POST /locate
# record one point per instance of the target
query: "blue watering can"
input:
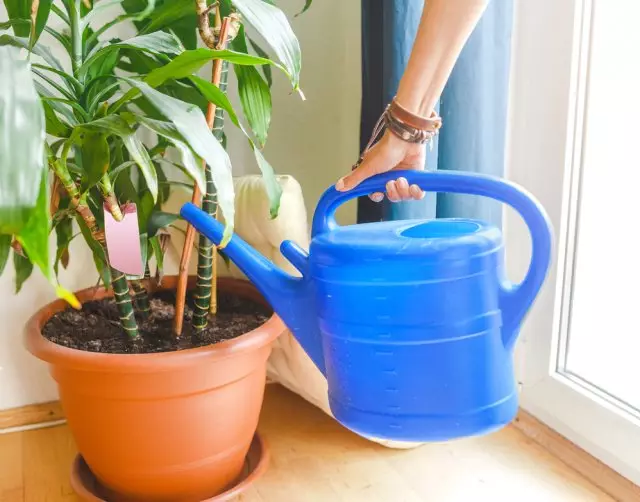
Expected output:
(413, 323)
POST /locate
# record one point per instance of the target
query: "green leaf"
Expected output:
(72, 83)
(67, 94)
(158, 220)
(23, 268)
(5, 247)
(168, 13)
(95, 11)
(95, 157)
(273, 26)
(101, 65)
(99, 256)
(22, 140)
(266, 69)
(40, 50)
(34, 238)
(73, 104)
(190, 162)
(62, 38)
(154, 43)
(274, 190)
(20, 11)
(47, 95)
(55, 126)
(64, 236)
(114, 124)
(189, 62)
(255, 98)
(255, 95)
(157, 252)
(139, 153)
(307, 4)
(60, 13)
(139, 14)
(192, 125)
(213, 94)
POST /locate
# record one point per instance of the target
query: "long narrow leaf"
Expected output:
(273, 26)
(191, 123)
(34, 238)
(72, 83)
(97, 8)
(189, 62)
(20, 11)
(189, 160)
(54, 125)
(307, 4)
(266, 69)
(22, 140)
(113, 124)
(39, 49)
(168, 13)
(46, 94)
(5, 248)
(274, 190)
(67, 94)
(255, 95)
(23, 270)
(213, 94)
(155, 43)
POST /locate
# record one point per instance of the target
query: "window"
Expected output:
(574, 143)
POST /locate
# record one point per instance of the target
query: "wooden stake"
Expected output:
(196, 198)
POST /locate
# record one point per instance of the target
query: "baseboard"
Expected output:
(32, 415)
(598, 473)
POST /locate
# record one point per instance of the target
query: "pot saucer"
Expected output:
(87, 487)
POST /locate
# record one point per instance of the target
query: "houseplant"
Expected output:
(155, 417)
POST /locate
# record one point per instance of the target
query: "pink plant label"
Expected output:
(123, 241)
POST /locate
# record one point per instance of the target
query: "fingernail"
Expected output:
(340, 184)
(377, 197)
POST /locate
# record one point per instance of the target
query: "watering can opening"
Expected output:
(439, 229)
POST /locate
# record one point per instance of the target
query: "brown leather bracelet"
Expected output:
(397, 111)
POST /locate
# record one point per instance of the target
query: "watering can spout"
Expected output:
(292, 298)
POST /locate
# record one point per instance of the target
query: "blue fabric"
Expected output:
(473, 104)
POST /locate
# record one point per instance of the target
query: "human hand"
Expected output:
(390, 153)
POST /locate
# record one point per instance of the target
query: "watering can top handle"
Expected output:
(516, 299)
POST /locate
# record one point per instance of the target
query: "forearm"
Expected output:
(444, 29)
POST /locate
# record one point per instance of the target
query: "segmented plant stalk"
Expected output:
(141, 299)
(118, 280)
(141, 295)
(121, 293)
(204, 292)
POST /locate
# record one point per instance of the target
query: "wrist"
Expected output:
(409, 126)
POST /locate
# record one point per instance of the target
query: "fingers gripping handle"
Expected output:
(515, 299)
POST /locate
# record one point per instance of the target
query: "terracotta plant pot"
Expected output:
(165, 426)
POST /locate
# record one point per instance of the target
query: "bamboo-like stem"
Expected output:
(125, 302)
(187, 248)
(75, 21)
(204, 293)
(118, 279)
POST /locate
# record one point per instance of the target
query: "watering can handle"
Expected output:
(515, 299)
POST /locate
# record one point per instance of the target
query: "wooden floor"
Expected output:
(315, 459)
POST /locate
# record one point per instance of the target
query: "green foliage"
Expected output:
(111, 107)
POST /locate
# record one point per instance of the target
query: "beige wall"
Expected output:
(315, 141)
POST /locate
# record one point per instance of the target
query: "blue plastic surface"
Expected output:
(412, 322)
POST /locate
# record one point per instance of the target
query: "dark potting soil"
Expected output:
(96, 328)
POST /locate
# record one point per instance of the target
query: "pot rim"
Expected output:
(53, 353)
